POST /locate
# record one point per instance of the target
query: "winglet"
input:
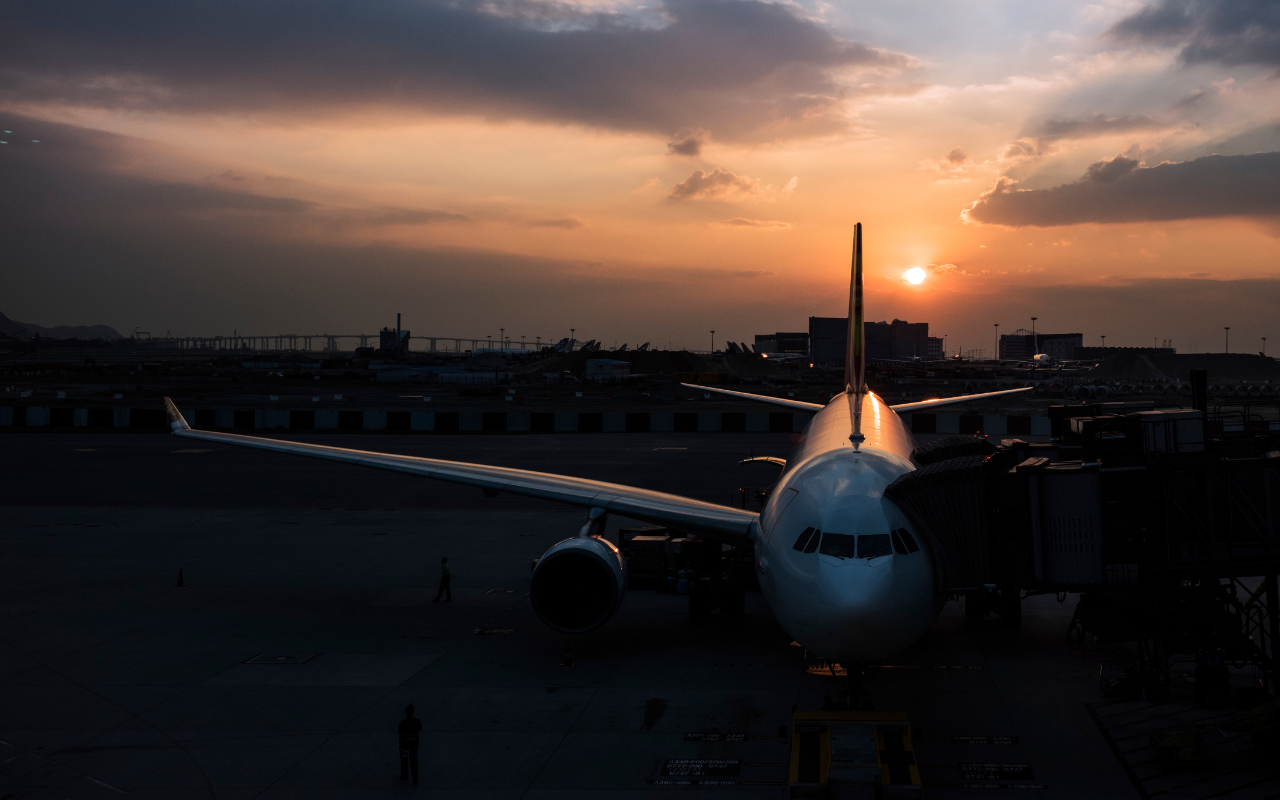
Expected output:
(176, 422)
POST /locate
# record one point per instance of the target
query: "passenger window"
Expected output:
(840, 545)
(813, 543)
(803, 540)
(873, 545)
(912, 547)
(898, 546)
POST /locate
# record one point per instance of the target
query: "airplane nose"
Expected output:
(866, 614)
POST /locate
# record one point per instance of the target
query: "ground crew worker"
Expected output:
(409, 729)
(444, 582)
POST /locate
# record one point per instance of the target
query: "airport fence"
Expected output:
(16, 418)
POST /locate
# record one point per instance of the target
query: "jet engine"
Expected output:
(578, 584)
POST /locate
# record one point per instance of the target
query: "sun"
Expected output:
(915, 276)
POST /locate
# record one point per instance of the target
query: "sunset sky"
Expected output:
(643, 171)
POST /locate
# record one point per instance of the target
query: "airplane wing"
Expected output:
(814, 407)
(732, 525)
(795, 405)
(946, 401)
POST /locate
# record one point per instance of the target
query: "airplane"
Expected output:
(842, 568)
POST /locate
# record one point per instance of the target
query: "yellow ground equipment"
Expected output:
(853, 754)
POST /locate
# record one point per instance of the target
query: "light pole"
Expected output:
(502, 338)
(996, 341)
(1104, 345)
(1264, 345)
(713, 343)
(1035, 346)
(1227, 334)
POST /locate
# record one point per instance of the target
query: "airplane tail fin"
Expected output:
(855, 352)
(176, 422)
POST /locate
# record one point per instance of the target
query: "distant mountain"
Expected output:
(26, 330)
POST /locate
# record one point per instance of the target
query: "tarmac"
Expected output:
(306, 624)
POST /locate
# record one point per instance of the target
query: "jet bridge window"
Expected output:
(909, 540)
(803, 540)
(874, 544)
(840, 545)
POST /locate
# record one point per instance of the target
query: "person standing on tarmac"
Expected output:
(445, 577)
(409, 730)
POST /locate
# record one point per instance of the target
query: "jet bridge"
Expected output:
(1164, 520)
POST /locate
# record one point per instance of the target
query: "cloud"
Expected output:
(764, 224)
(1091, 127)
(957, 157)
(717, 184)
(565, 223)
(85, 176)
(1229, 32)
(82, 242)
(741, 69)
(1120, 190)
(1039, 140)
(688, 146)
(754, 273)
(390, 215)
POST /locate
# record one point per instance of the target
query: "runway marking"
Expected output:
(281, 658)
(104, 783)
(491, 631)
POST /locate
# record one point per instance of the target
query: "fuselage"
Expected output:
(842, 568)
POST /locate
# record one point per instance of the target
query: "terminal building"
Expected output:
(781, 342)
(886, 341)
(1024, 345)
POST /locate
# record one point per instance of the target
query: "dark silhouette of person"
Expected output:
(445, 578)
(409, 729)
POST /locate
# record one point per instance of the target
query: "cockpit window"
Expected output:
(898, 546)
(838, 544)
(910, 541)
(873, 545)
(813, 542)
(803, 540)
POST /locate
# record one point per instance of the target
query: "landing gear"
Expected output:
(1009, 607)
(701, 602)
(975, 608)
(706, 595)
(733, 599)
(855, 692)
(1007, 603)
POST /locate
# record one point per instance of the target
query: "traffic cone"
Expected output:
(180, 582)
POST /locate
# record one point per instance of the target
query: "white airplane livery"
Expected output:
(839, 564)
